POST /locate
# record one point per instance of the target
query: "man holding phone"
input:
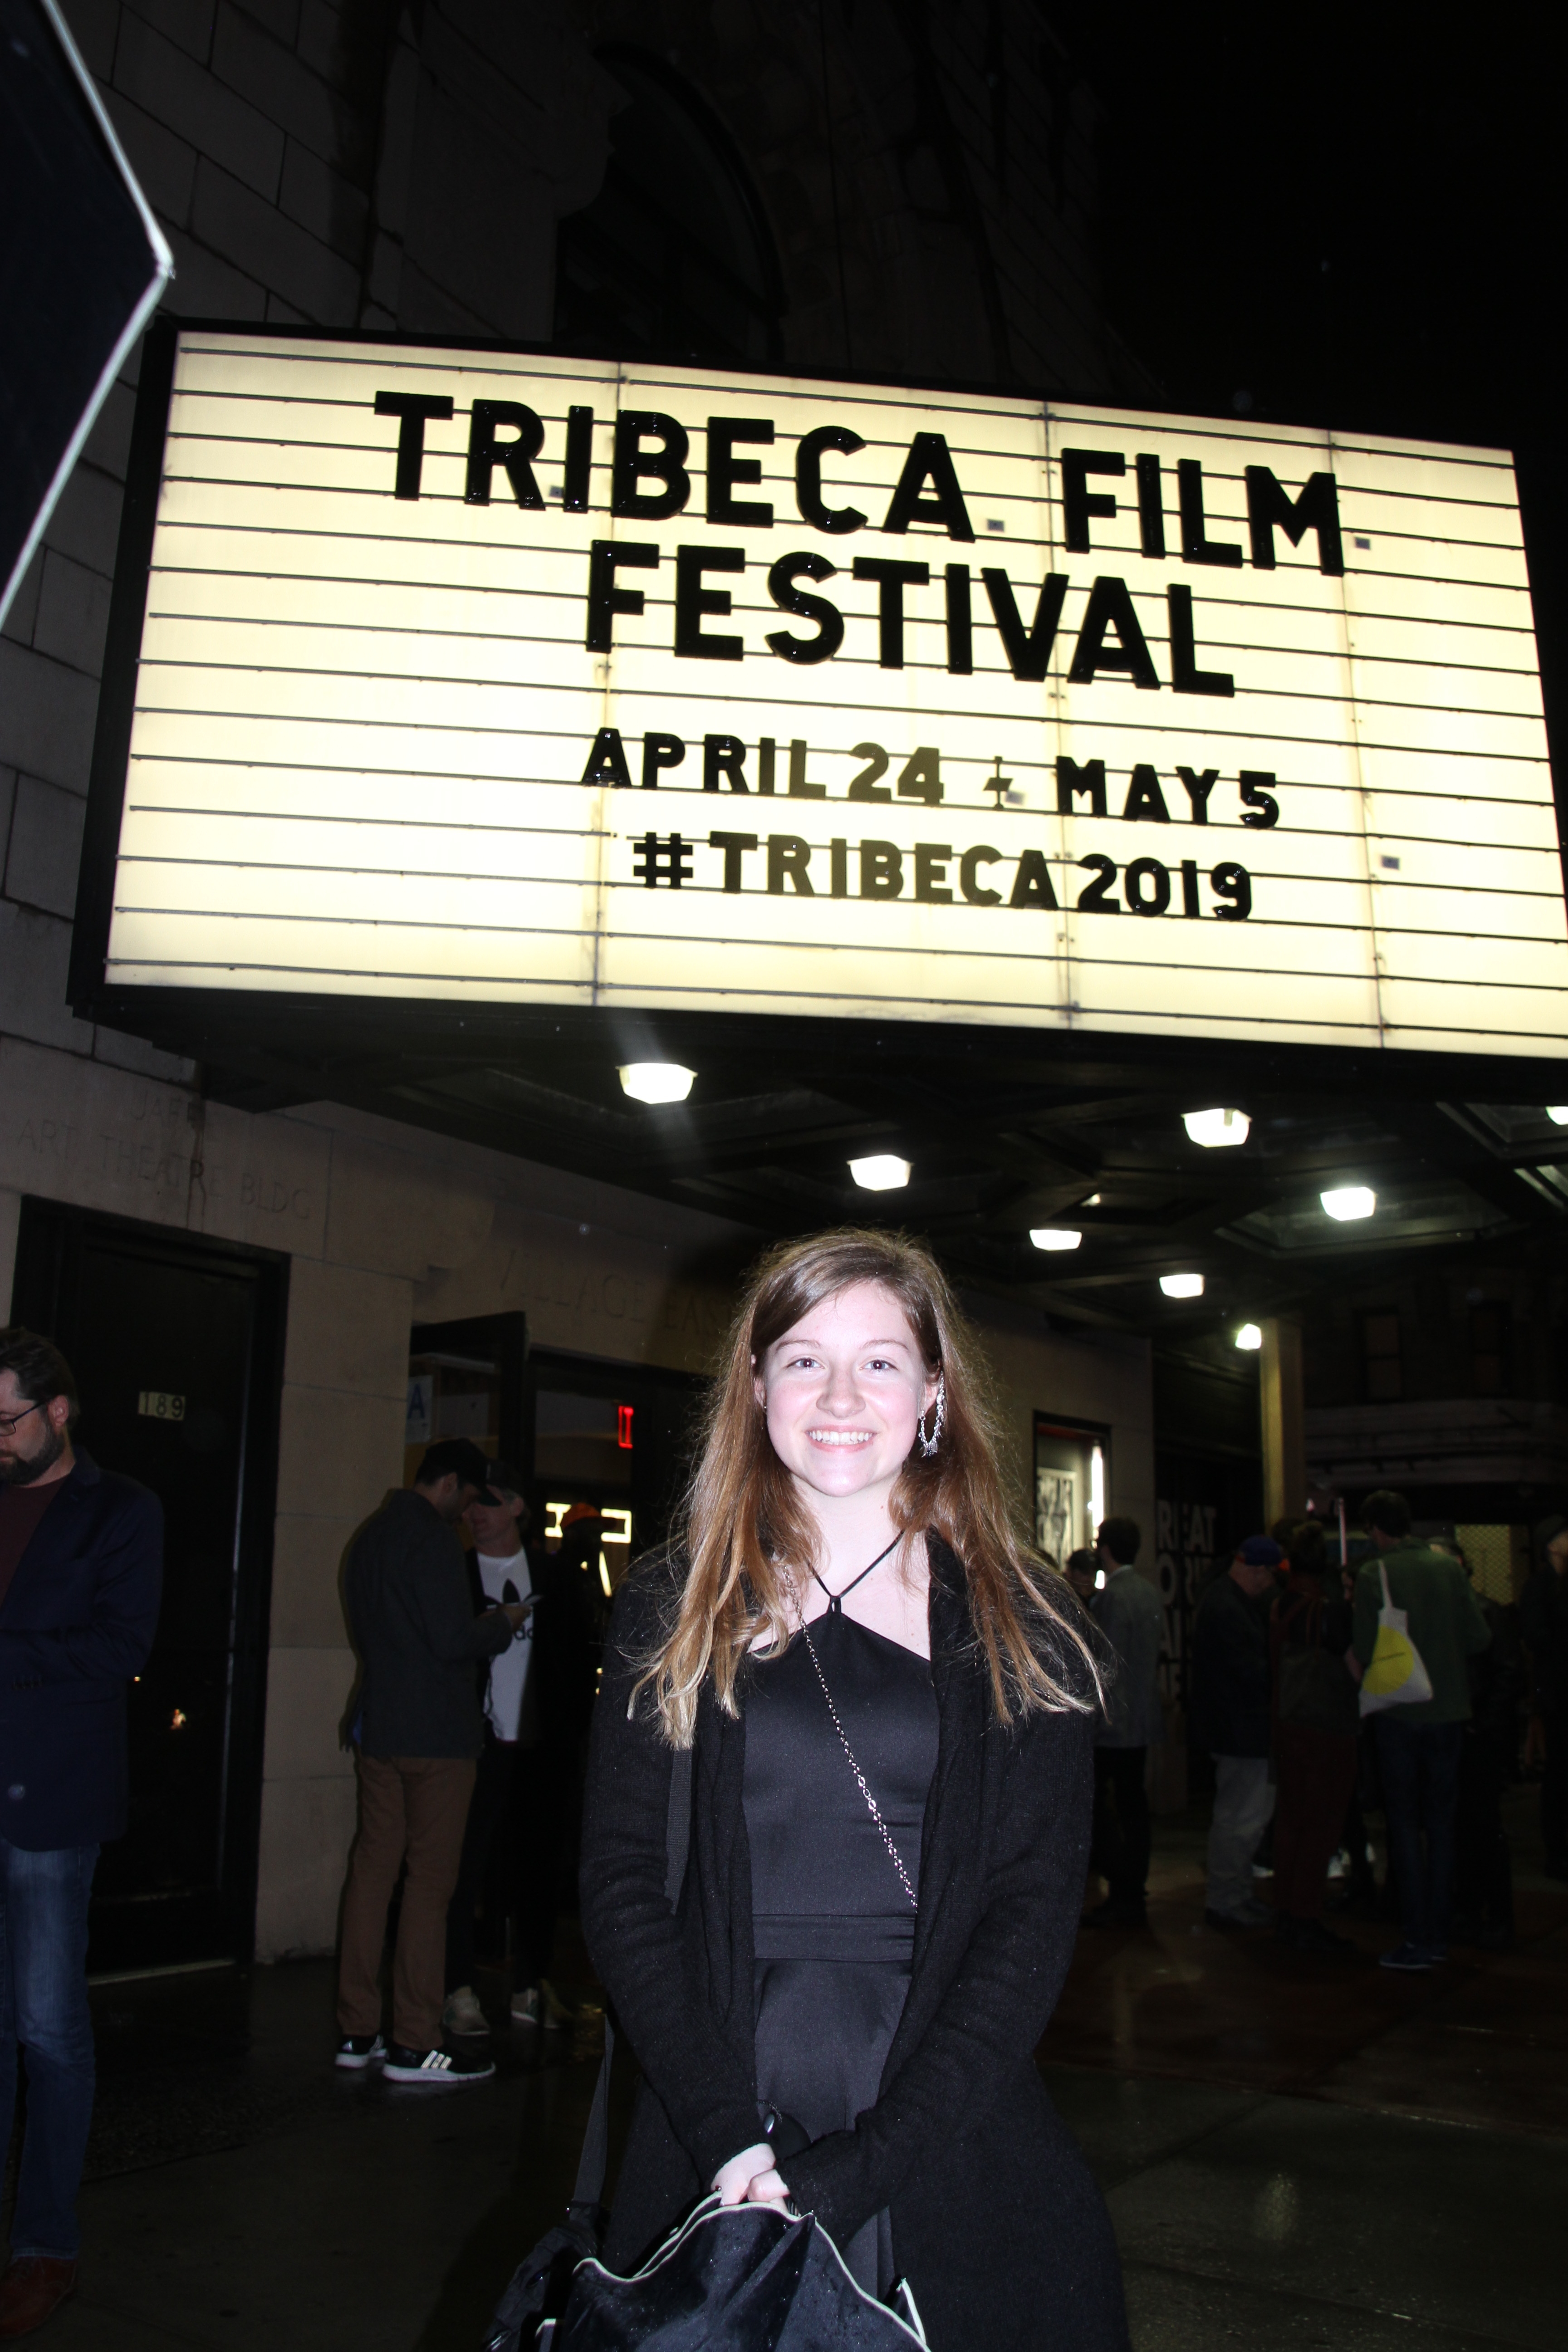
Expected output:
(417, 1735)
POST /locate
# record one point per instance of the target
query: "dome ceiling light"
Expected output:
(883, 1172)
(656, 1082)
(1216, 1130)
(1054, 1238)
(1346, 1202)
(1249, 1337)
(1182, 1286)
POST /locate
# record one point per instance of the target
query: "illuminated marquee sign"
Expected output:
(556, 682)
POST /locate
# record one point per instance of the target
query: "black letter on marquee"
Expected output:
(890, 608)
(725, 469)
(960, 622)
(1028, 657)
(808, 478)
(882, 869)
(1186, 677)
(732, 844)
(788, 857)
(1144, 797)
(1151, 507)
(660, 751)
(1262, 809)
(608, 760)
(1158, 876)
(1071, 780)
(1197, 546)
(1318, 509)
(1032, 884)
(790, 599)
(723, 755)
(1233, 882)
(929, 461)
(605, 599)
(413, 408)
(1079, 503)
(932, 860)
(486, 453)
(1197, 789)
(1111, 608)
(579, 460)
(692, 601)
(632, 462)
(969, 879)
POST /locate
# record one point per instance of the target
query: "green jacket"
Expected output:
(1445, 1623)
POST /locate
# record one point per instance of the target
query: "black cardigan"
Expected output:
(997, 2224)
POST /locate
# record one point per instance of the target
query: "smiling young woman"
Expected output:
(890, 1701)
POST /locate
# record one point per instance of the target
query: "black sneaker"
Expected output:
(360, 2049)
(436, 2066)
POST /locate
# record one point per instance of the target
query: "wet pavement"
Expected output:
(1296, 2153)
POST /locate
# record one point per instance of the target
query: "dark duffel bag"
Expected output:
(735, 2278)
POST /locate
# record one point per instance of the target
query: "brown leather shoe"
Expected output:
(32, 2288)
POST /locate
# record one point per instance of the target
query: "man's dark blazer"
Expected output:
(74, 1626)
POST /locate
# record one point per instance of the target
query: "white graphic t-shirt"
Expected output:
(508, 1688)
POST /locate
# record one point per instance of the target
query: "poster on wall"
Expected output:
(481, 677)
(1057, 1513)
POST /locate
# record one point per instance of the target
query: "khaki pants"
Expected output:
(418, 1806)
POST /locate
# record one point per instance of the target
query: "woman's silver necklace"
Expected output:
(835, 1609)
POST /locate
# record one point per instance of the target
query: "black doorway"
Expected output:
(176, 1344)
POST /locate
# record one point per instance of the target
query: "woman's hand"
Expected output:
(750, 2178)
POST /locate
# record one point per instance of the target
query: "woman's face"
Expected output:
(843, 1389)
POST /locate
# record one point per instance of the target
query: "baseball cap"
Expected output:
(580, 1511)
(1259, 1551)
(505, 1478)
(460, 1456)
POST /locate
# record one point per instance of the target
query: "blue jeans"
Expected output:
(1419, 1767)
(44, 2013)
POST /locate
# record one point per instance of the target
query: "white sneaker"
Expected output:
(525, 2005)
(462, 2013)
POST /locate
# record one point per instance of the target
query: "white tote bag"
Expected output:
(1396, 1677)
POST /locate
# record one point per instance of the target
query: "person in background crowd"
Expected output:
(1080, 1573)
(1129, 1614)
(418, 1733)
(1231, 1718)
(506, 1841)
(1316, 1722)
(1489, 1758)
(1544, 1622)
(82, 1568)
(1418, 1742)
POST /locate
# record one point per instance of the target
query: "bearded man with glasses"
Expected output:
(82, 1563)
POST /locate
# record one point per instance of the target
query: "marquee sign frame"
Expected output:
(1022, 612)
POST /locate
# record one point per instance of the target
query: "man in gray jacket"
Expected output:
(417, 1734)
(1127, 1610)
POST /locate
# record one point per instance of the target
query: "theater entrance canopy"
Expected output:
(940, 774)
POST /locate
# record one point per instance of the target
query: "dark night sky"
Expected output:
(1351, 216)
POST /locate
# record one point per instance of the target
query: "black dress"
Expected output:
(996, 2221)
(833, 1923)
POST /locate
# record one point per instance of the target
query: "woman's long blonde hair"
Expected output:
(750, 1543)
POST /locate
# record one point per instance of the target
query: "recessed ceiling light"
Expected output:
(1558, 1113)
(1095, 1200)
(656, 1082)
(1216, 1129)
(1054, 1238)
(882, 1172)
(1249, 1337)
(1349, 1201)
(1182, 1286)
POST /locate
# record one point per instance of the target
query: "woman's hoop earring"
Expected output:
(928, 1444)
